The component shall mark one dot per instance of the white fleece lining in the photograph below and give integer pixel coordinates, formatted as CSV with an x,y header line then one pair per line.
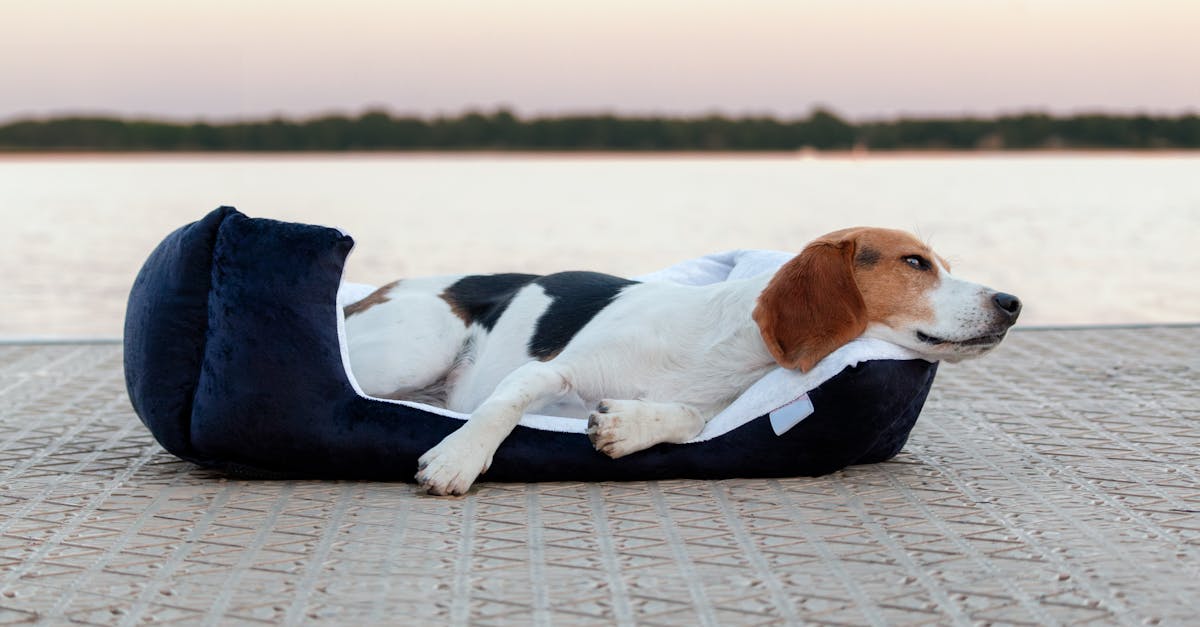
x,y
777,389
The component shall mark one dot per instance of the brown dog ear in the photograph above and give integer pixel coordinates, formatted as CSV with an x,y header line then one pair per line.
x,y
812,305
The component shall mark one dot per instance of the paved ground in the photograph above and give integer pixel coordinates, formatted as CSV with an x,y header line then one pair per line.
x,y
1055,482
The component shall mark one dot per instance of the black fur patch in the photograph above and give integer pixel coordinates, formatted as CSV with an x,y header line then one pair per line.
x,y
578,297
481,299
867,257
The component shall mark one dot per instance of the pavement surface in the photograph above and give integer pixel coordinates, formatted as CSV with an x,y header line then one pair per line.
x,y
1054,482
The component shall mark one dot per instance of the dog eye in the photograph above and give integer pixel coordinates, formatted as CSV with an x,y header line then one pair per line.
x,y
918,262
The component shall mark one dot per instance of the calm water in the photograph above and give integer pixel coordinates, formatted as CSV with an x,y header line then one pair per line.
x,y
1081,238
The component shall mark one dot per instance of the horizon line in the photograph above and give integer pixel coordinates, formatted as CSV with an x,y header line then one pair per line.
x,y
487,111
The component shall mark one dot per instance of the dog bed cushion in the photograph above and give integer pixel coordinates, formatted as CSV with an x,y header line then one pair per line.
x,y
235,360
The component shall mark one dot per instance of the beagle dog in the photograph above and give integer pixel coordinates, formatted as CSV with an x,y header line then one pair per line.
x,y
649,362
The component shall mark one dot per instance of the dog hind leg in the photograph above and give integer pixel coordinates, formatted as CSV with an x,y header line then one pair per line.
x,y
404,345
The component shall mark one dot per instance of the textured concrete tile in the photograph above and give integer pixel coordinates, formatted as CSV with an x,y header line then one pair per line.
x,y
1056,482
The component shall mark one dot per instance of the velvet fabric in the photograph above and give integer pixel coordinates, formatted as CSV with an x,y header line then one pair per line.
x,y
233,361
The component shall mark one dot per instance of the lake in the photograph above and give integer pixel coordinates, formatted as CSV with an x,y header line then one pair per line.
x,y
1081,238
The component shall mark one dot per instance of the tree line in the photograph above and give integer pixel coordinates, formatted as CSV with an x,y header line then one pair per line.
x,y
502,130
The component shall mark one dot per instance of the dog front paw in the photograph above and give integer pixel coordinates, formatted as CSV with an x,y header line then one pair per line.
x,y
614,428
450,468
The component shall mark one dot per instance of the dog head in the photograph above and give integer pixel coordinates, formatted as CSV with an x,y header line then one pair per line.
x,y
880,283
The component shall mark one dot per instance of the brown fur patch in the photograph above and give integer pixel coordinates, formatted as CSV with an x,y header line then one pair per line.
x,y
549,356
895,293
811,306
433,394
378,297
839,284
866,256
456,307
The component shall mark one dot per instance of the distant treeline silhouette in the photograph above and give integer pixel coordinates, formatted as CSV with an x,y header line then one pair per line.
x,y
502,130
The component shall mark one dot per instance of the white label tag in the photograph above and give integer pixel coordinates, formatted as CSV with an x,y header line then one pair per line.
x,y
790,415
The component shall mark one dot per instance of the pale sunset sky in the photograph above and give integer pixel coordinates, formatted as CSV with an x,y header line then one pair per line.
x,y
224,59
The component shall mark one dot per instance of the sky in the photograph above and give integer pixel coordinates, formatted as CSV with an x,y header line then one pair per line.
x,y
865,59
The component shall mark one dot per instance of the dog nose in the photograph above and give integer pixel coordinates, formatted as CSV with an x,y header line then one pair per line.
x,y
1009,304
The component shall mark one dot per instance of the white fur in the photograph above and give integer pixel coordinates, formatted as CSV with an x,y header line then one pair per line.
x,y
407,345
959,307
497,353
656,342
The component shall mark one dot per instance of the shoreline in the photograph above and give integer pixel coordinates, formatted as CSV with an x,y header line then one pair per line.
x,y
799,155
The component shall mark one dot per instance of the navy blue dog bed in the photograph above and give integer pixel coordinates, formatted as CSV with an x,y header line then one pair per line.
x,y
234,361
